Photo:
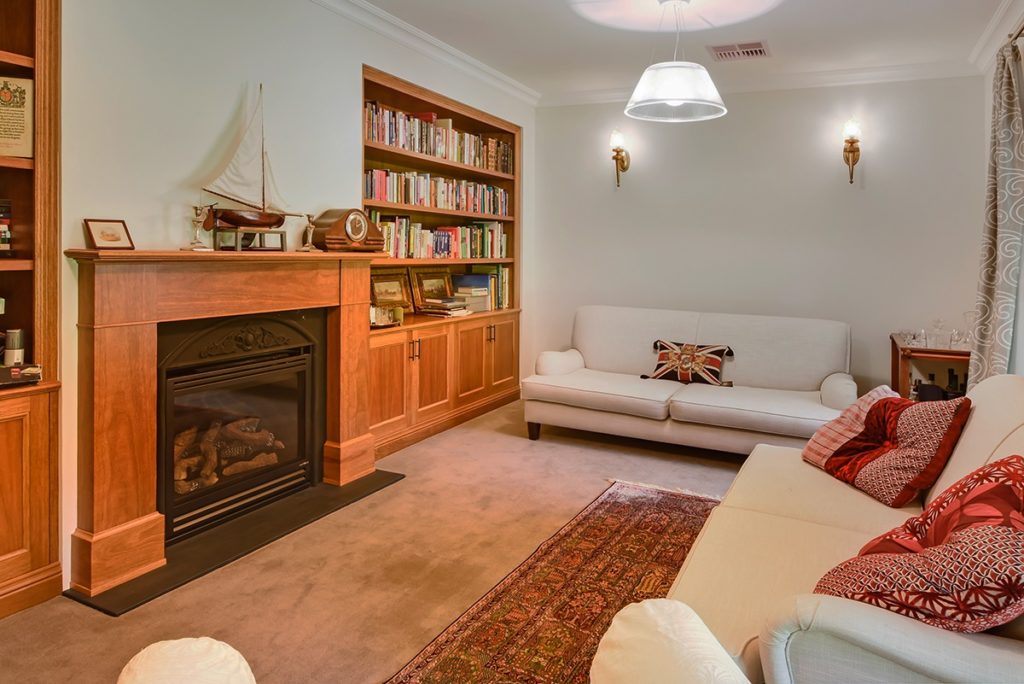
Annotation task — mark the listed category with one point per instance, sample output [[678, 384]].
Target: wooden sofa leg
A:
[[534, 430]]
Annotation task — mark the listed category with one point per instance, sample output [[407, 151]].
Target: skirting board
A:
[[194, 557]]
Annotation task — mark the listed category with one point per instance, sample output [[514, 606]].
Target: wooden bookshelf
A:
[[30, 285], [431, 373]]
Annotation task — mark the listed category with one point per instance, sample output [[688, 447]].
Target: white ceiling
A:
[[548, 47]]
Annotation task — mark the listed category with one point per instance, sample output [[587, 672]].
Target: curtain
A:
[[999, 280]]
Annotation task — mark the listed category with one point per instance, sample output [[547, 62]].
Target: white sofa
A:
[[790, 375], [782, 525]]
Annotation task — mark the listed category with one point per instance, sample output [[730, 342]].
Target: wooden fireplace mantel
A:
[[122, 297]]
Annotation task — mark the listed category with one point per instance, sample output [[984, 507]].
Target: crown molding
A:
[[1004, 22], [393, 28], [796, 81]]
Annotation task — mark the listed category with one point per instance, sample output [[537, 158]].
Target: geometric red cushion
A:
[[900, 449], [959, 565]]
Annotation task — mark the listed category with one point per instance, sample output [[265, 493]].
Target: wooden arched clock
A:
[[347, 230]]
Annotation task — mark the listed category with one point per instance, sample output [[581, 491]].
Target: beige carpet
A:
[[355, 595]]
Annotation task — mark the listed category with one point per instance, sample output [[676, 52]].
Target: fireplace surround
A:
[[124, 296], [239, 409]]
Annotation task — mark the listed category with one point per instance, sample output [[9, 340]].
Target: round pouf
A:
[[196, 661]]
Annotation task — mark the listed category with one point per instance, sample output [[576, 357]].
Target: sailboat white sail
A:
[[248, 178]]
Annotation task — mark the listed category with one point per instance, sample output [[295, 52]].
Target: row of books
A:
[[404, 239], [492, 281], [423, 132], [426, 190]]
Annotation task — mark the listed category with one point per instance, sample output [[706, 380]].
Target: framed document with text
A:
[[15, 117]]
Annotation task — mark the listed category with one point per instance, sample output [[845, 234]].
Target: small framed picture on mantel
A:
[[107, 234]]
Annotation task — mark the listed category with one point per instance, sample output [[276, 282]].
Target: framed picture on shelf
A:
[[390, 288], [107, 234], [429, 283]]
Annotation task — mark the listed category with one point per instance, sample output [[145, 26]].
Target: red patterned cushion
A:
[[889, 447], [959, 565], [684, 362]]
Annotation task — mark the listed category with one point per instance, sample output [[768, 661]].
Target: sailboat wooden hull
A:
[[243, 218]]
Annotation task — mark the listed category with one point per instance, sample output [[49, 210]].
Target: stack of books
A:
[[443, 307], [404, 239], [426, 190], [492, 281]]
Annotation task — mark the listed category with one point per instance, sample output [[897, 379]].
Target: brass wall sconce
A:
[[851, 147], [619, 155]]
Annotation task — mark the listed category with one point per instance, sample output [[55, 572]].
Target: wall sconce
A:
[[619, 155], [851, 148]]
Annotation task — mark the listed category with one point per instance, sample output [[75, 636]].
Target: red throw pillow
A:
[[688, 363], [959, 565], [888, 447]]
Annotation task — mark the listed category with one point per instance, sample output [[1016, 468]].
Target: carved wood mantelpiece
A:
[[122, 298]]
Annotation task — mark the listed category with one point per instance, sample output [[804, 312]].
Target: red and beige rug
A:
[[543, 622]]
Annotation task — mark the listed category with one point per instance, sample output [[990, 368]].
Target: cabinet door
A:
[[504, 354], [389, 382], [24, 485], [472, 381], [432, 372]]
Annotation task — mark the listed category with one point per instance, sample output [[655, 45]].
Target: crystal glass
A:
[[937, 337]]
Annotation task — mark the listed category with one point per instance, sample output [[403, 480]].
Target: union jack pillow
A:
[[959, 565], [686, 363]]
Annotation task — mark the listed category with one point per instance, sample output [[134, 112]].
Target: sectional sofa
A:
[[749, 577], [790, 376]]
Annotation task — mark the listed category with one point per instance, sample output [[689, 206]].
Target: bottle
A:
[[14, 352], [952, 386]]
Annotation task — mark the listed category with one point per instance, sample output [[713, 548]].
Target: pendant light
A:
[[675, 91]]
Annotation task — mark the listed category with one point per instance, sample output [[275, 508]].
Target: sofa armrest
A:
[[559, 363], [838, 391], [824, 639], [661, 640]]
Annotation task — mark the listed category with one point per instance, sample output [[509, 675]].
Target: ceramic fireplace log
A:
[[209, 449]]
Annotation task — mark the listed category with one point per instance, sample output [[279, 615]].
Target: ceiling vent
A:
[[737, 52]]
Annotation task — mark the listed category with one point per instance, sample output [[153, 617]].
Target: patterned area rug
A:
[[543, 622]]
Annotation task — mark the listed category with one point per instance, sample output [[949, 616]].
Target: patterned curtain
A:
[[999, 280]]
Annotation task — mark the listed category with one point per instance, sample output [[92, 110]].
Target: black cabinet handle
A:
[[419, 349], [412, 350]]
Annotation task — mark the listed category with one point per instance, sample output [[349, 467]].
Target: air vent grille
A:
[[738, 52]]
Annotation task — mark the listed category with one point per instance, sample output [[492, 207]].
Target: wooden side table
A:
[[903, 355]]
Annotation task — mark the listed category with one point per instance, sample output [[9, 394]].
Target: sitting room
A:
[[553, 341]]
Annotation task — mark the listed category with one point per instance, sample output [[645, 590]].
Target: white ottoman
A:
[[196, 661], [661, 641]]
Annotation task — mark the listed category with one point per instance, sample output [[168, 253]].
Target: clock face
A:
[[356, 226]]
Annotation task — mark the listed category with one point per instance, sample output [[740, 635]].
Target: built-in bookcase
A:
[[29, 49], [431, 373], [29, 422]]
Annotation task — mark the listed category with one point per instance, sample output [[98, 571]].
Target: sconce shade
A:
[[617, 140], [675, 92], [852, 129]]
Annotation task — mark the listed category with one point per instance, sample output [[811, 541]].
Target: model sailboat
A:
[[249, 181]]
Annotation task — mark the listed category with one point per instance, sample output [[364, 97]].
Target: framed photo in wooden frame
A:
[[429, 283], [107, 234], [390, 288]]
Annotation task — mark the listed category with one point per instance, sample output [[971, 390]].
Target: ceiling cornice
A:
[[1004, 21], [393, 28], [817, 79]]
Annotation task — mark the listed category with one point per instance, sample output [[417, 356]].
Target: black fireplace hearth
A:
[[240, 415]]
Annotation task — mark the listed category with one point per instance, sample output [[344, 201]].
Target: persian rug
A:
[[543, 622]]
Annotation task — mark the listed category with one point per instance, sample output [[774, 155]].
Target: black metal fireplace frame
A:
[[210, 354]]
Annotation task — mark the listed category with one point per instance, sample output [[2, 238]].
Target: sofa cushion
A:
[[746, 566], [959, 565], [776, 480], [614, 392], [838, 432], [686, 363], [771, 351], [781, 412], [899, 452], [994, 430]]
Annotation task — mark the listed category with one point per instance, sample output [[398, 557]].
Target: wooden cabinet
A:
[[436, 374], [30, 283], [29, 563], [410, 378], [488, 357]]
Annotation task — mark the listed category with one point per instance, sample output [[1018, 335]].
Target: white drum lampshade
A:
[[675, 92]]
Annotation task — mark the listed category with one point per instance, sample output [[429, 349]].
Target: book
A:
[[471, 291], [475, 303]]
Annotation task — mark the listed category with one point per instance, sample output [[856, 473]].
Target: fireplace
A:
[[240, 415]]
